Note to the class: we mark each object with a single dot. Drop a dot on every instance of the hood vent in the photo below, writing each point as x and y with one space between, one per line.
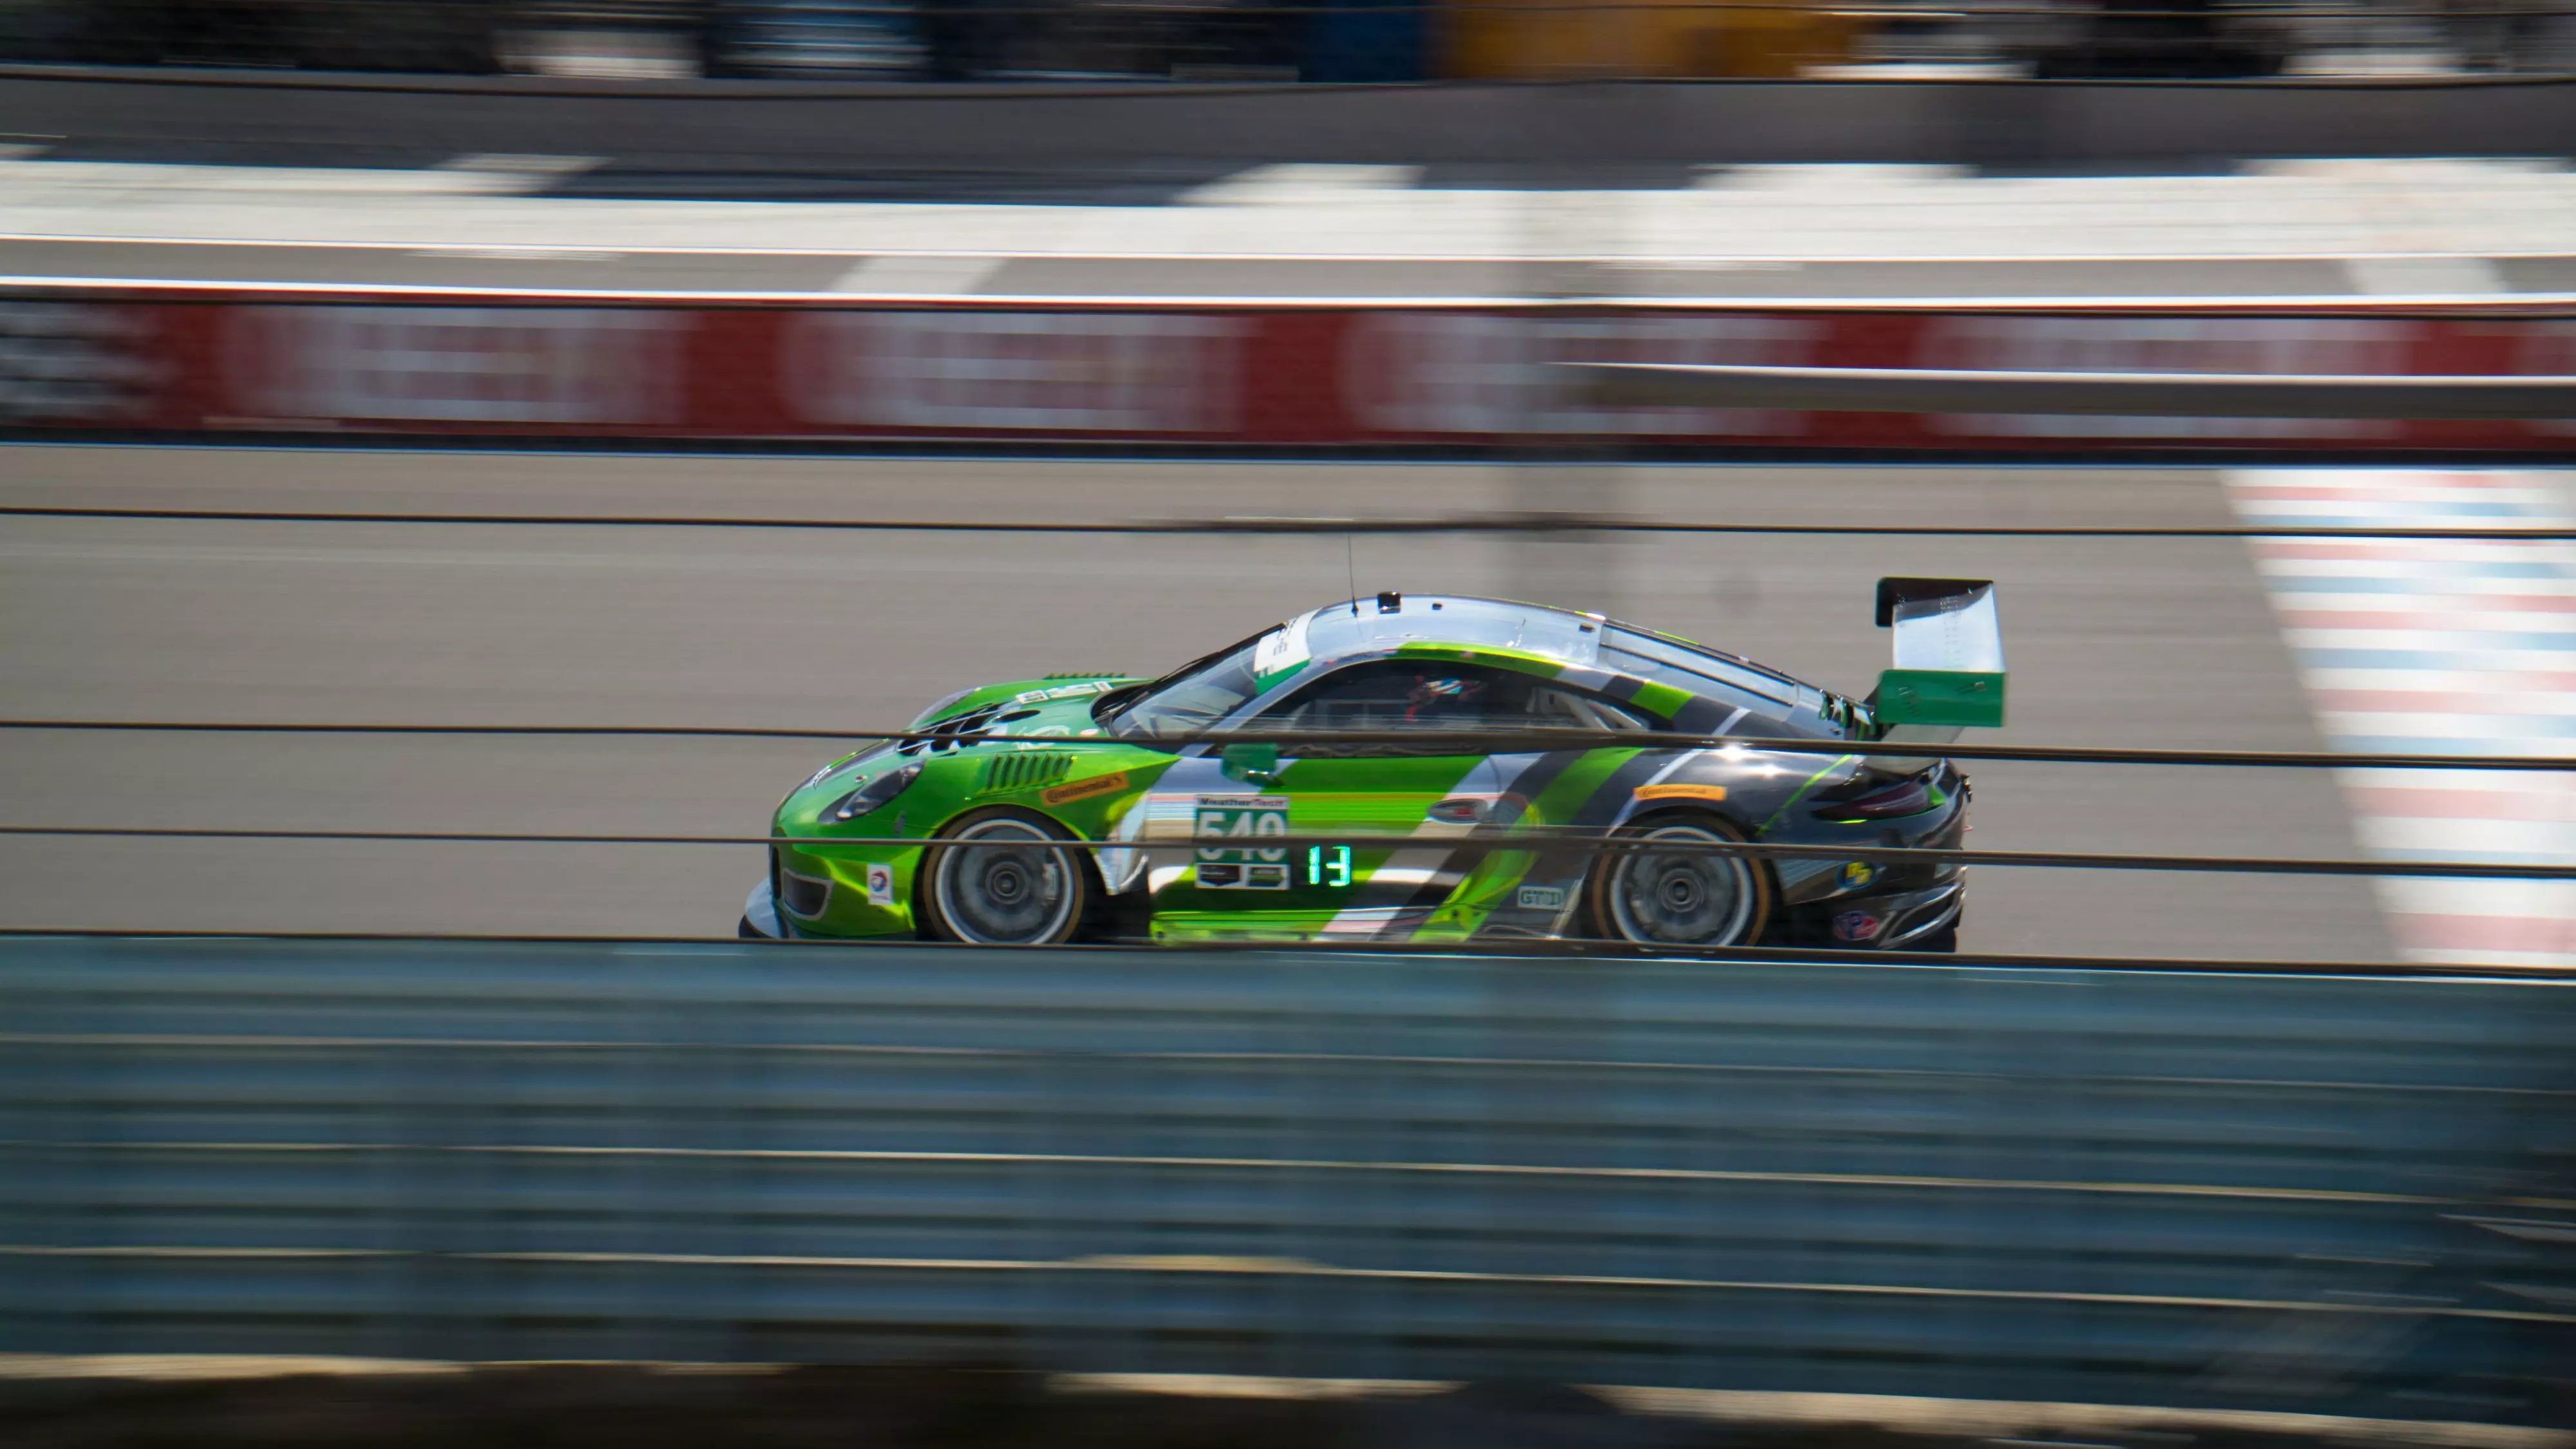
954 732
1022 770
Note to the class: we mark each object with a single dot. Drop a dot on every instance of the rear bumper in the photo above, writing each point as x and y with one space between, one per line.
1877 921
1916 914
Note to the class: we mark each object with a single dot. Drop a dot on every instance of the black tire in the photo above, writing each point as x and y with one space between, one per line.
1686 898
998 895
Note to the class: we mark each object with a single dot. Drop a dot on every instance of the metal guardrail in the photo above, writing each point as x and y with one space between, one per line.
2250 1191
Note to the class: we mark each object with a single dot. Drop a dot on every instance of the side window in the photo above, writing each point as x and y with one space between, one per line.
1583 710
1439 695
1734 687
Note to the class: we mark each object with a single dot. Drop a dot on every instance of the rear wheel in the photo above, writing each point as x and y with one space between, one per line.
1018 890
1680 897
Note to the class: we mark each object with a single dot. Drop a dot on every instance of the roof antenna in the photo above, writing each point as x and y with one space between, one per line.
1351 559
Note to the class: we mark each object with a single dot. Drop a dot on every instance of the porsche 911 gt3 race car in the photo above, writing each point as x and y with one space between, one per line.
1355 738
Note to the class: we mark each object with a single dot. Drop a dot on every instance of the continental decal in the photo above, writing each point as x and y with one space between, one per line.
1681 792
1084 789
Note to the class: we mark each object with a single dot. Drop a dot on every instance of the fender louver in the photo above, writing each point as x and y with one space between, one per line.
1021 770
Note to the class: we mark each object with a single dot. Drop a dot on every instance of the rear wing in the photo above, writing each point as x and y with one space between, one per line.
1949 672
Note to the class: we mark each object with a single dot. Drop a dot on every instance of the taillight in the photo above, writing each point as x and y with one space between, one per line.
1910 796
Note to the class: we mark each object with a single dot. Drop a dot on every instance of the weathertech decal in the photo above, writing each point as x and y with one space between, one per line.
1083 789
1681 792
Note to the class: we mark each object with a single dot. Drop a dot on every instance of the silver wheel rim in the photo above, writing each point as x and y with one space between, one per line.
1006 895
1681 898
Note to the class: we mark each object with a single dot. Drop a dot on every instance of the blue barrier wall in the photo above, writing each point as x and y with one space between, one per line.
2281 1192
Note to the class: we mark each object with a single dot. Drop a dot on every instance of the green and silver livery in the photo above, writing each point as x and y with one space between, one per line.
1360 806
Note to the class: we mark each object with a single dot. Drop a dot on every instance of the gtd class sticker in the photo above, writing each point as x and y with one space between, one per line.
1281 649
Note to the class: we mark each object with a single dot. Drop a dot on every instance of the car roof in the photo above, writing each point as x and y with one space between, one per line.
1360 629
1363 626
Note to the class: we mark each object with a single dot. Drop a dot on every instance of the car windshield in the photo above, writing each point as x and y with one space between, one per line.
1193 697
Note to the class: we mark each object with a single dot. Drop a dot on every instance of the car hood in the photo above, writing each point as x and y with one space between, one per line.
1054 708
1048 694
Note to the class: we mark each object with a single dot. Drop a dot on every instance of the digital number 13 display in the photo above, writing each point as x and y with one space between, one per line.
1328 865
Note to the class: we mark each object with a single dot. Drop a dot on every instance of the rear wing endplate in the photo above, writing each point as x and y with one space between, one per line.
1949 671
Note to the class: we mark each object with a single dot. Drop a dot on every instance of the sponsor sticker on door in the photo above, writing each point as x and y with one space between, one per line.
1254 877
1240 817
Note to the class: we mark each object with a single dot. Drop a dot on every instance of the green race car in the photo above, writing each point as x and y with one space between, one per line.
1362 758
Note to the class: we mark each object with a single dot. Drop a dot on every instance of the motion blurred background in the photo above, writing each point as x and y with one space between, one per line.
1273 41
450 373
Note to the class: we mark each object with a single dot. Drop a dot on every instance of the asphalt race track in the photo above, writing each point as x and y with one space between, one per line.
2112 642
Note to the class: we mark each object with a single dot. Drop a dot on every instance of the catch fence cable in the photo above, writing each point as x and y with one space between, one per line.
1499 842
1572 948
1479 742
1512 523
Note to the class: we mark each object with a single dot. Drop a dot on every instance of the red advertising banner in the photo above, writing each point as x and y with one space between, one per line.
1256 376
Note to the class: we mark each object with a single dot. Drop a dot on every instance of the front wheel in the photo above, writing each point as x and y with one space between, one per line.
1685 897
1016 890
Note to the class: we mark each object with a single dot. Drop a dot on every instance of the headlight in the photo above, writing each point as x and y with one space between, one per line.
873 794
843 763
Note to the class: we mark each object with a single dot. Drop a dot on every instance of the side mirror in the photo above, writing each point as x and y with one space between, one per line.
1252 764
